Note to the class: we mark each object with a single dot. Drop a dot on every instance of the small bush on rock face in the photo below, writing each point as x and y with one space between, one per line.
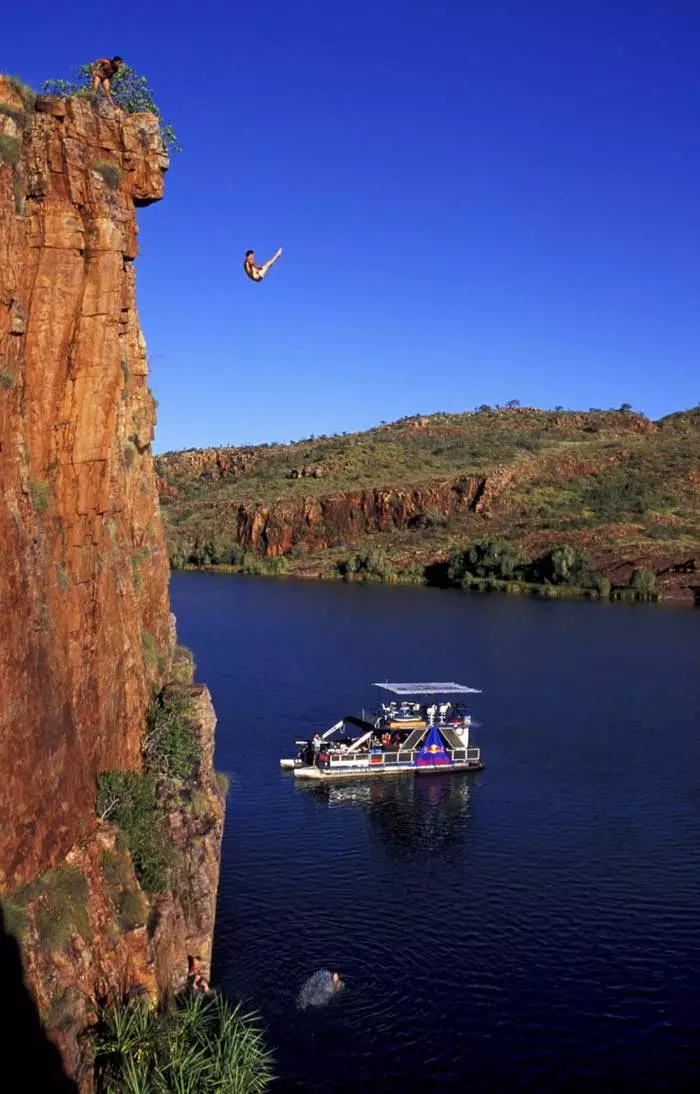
18 115
40 493
644 584
111 173
128 800
10 148
62 908
171 747
24 91
128 903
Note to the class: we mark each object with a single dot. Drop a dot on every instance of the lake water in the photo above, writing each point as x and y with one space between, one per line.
534 927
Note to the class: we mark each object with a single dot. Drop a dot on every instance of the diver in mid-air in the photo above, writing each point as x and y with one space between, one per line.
255 272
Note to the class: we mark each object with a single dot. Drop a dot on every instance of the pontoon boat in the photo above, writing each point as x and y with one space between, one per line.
424 729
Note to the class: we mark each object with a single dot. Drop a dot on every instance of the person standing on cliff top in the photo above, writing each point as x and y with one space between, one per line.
103 71
256 273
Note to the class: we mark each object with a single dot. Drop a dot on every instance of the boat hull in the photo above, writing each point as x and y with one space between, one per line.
316 774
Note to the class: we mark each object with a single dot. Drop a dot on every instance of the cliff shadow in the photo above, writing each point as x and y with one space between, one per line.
30 1060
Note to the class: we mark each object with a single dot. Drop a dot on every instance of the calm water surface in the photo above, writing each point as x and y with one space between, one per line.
534 927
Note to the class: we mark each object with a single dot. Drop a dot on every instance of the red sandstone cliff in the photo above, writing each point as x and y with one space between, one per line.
86 630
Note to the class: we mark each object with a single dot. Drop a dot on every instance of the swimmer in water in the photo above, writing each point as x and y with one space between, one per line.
319 989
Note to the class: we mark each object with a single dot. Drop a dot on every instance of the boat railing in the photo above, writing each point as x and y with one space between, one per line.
391 757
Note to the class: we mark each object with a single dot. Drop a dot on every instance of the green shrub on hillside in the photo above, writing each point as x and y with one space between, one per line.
488 558
372 566
644 584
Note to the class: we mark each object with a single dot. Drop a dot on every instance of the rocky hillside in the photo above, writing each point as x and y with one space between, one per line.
87 636
622 488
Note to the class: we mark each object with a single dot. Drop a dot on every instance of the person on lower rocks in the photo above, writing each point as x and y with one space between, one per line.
255 272
104 69
196 982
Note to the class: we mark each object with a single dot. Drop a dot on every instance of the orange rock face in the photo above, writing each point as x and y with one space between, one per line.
83 585
86 632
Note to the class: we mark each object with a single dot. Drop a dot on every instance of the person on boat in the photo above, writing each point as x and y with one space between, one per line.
319 989
104 69
255 272
195 978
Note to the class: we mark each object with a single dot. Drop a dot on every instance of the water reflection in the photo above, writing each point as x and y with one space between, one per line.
415 814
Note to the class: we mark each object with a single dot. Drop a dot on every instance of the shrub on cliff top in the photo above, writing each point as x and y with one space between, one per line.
24 91
129 91
128 799
202 1045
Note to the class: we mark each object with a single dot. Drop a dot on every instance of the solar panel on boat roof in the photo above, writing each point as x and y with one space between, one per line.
428 689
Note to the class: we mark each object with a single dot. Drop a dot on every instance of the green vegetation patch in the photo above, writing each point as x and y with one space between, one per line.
62 1009
201 1045
7 380
110 172
183 666
137 560
128 903
40 493
61 907
130 92
223 782
18 114
171 745
128 800
10 149
25 92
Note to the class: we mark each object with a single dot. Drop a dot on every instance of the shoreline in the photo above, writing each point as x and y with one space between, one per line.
481 586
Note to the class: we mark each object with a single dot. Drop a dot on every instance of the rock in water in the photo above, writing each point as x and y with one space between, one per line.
318 990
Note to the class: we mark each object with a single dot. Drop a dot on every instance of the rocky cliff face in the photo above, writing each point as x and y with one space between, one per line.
86 632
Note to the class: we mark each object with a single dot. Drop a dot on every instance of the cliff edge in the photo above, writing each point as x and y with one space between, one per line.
87 637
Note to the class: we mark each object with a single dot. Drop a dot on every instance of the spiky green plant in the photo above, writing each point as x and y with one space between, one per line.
198 1046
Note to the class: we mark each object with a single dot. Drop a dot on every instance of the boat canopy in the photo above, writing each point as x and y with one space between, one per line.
429 689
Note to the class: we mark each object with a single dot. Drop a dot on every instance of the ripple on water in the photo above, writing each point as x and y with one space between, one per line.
532 928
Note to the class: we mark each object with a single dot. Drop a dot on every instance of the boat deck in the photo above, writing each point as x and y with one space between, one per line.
317 774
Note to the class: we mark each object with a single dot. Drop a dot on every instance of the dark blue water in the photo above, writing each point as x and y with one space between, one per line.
535 927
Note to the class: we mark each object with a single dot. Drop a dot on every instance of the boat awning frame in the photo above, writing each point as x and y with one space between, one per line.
429 689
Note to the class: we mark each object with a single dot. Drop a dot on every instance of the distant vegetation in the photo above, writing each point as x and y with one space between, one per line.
499 566
618 489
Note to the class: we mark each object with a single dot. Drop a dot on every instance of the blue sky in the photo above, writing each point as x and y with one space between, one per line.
478 201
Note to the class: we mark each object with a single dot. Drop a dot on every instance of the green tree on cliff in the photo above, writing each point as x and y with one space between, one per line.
130 91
